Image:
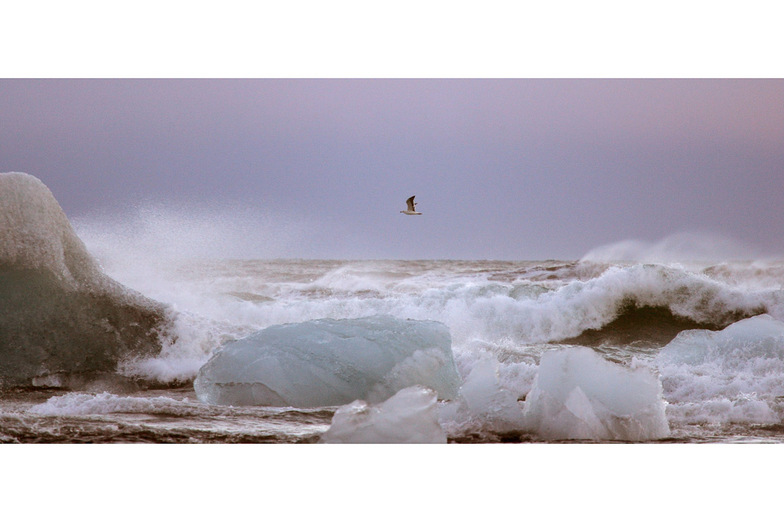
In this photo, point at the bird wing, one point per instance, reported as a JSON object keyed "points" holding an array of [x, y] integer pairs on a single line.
{"points": [[410, 203]]}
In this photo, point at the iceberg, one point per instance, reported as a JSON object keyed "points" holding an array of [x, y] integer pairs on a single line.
{"points": [[732, 375], [408, 417], [738, 345], [330, 362], [483, 404], [579, 395], [59, 313]]}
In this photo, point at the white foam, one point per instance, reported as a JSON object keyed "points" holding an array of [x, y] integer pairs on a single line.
{"points": [[410, 416], [476, 308], [579, 395], [330, 362], [191, 343], [77, 404], [487, 310]]}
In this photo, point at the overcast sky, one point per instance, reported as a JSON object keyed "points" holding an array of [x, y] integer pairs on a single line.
{"points": [[502, 169]]}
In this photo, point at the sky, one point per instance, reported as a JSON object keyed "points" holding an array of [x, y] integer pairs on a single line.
{"points": [[526, 131], [501, 169]]}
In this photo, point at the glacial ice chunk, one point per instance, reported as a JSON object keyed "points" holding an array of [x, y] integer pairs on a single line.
{"points": [[483, 404], [330, 362], [409, 416], [759, 337], [59, 312], [579, 395], [732, 375]]}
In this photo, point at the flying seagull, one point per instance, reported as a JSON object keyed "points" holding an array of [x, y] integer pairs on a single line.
{"points": [[411, 210]]}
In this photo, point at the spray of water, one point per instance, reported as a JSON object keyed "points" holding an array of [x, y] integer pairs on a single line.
{"points": [[683, 247]]}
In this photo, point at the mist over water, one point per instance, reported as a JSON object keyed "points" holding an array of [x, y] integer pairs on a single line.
{"points": [[684, 247], [166, 232]]}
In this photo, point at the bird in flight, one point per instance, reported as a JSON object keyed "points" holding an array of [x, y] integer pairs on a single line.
{"points": [[411, 210]]}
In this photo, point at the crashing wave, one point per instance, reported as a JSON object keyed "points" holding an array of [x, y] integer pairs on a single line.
{"points": [[652, 326], [644, 303], [59, 313], [648, 303]]}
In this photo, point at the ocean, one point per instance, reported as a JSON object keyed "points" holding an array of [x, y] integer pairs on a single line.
{"points": [[633, 315], [102, 341]]}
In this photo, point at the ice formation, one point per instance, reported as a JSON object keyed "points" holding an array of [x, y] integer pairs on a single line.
{"points": [[58, 311], [483, 404], [733, 375], [579, 395], [409, 416], [330, 362]]}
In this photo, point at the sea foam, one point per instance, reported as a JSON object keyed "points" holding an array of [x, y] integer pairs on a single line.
{"points": [[59, 312], [77, 404]]}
